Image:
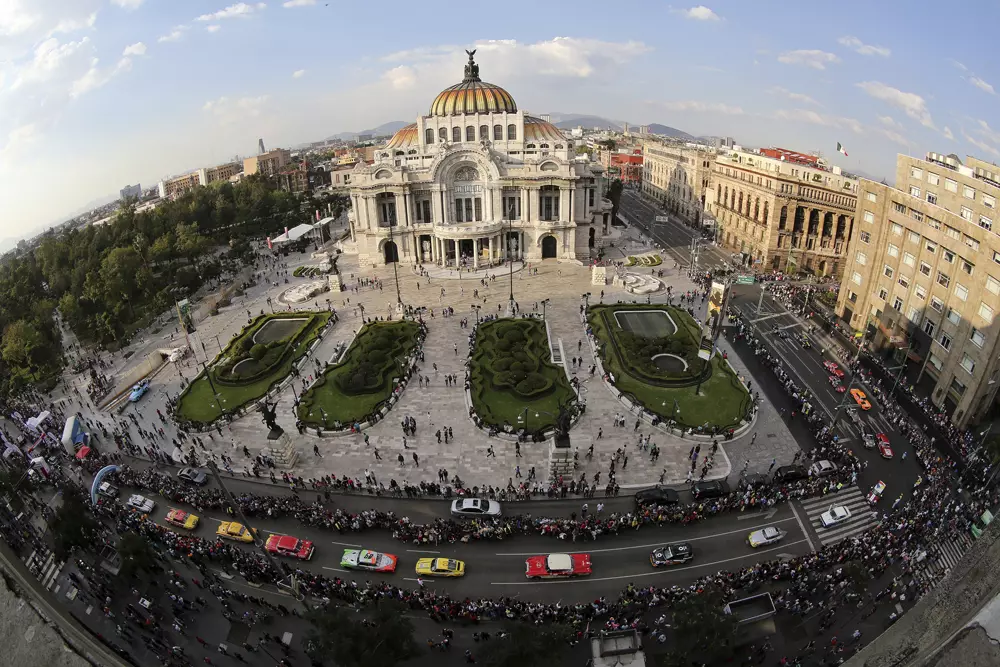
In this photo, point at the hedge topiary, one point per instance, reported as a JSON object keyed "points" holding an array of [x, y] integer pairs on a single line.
{"points": [[258, 351]]}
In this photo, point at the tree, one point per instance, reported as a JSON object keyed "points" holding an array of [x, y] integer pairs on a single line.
{"points": [[701, 628], [73, 526], [527, 646], [341, 635], [136, 556], [14, 486], [615, 195], [22, 347]]}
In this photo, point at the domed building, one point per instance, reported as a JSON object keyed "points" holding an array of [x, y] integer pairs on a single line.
{"points": [[475, 182]]}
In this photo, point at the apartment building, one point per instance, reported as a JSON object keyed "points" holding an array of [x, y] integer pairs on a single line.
{"points": [[172, 188], [222, 172], [268, 164], [133, 191], [782, 215], [677, 175], [922, 279]]}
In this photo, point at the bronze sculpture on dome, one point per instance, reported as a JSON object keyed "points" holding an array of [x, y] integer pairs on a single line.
{"points": [[471, 68]]}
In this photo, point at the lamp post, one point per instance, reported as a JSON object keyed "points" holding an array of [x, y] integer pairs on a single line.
{"points": [[270, 305], [219, 344], [545, 302], [208, 376]]}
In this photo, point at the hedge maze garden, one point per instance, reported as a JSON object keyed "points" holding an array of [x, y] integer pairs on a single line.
{"points": [[358, 386], [511, 371], [259, 357], [661, 370]]}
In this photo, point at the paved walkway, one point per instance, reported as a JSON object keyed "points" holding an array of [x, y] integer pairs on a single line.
{"points": [[438, 407]]}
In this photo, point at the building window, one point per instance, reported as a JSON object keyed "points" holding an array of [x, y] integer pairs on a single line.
{"points": [[429, 136], [887, 271], [934, 361], [967, 266], [909, 259], [866, 237], [456, 135], [942, 279], [856, 277], [459, 211], [549, 203], [914, 191], [977, 337], [479, 208], [897, 304], [897, 229], [443, 134], [968, 364], [883, 294], [953, 316], [861, 258], [512, 207], [989, 201], [931, 198], [470, 133], [944, 340], [925, 268], [590, 196], [933, 178], [950, 185], [484, 132], [871, 196], [992, 285], [899, 208], [512, 132], [869, 216], [985, 223], [929, 327], [920, 292], [966, 213], [498, 133], [916, 173], [914, 316], [904, 282], [948, 256], [986, 313], [937, 304], [892, 250], [931, 247], [957, 386], [968, 192], [426, 207], [952, 233], [912, 237], [932, 222], [916, 215]]}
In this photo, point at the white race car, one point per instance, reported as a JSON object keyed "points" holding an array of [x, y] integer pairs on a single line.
{"points": [[836, 514], [765, 536], [141, 503]]}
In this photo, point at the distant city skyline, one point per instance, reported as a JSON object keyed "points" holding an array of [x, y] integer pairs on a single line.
{"points": [[98, 94]]}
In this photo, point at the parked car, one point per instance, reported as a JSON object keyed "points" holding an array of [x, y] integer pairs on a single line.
{"points": [[822, 468], [440, 567], [366, 559], [475, 507], [108, 490], [875, 494], [790, 473], [182, 519], [657, 495], [754, 479], [193, 476], [855, 417], [710, 489], [286, 545]]}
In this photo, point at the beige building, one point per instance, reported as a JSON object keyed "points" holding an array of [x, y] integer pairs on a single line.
{"points": [[677, 175], [269, 163], [783, 215], [175, 187], [923, 278], [475, 181], [222, 172]]}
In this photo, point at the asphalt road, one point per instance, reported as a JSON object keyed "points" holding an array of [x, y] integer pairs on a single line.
{"points": [[495, 568]]}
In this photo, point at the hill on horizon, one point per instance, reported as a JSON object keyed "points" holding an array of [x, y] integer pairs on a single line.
{"points": [[385, 129]]}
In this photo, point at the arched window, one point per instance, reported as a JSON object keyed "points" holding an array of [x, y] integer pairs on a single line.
{"points": [[756, 209], [543, 145], [529, 145], [740, 203], [512, 132], [765, 212], [718, 194], [443, 133], [429, 136], [484, 132], [456, 135], [725, 199], [470, 133], [498, 133]]}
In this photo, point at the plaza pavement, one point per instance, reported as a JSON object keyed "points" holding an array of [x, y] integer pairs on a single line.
{"points": [[439, 406]]}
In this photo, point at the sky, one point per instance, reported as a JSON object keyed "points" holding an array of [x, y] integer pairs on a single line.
{"points": [[99, 94]]}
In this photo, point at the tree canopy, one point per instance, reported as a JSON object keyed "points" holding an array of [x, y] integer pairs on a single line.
{"points": [[352, 640]]}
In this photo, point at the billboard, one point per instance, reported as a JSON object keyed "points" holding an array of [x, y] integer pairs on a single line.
{"points": [[715, 298]]}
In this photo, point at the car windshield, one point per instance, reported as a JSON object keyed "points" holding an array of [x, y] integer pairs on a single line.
{"points": [[442, 565]]}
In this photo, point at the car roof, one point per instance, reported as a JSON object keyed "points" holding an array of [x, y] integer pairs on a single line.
{"points": [[287, 541], [559, 562]]}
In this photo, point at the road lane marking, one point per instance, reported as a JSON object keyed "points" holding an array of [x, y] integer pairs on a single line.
{"points": [[335, 569], [422, 551], [662, 542], [766, 515], [802, 526], [345, 544], [583, 580]]}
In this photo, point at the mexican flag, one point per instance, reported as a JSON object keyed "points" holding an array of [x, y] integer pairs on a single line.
{"points": [[841, 149]]}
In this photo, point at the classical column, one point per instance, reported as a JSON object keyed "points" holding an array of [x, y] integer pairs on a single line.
{"points": [[475, 253], [520, 245], [491, 249], [572, 204]]}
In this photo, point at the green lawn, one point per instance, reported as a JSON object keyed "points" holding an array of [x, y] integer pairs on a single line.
{"points": [[374, 358], [496, 398], [198, 403], [722, 401]]}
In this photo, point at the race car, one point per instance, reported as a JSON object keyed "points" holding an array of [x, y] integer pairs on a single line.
{"points": [[884, 450], [868, 437], [141, 503], [365, 559], [475, 508], [833, 368], [836, 514], [861, 399], [440, 567], [671, 554], [182, 519], [876, 493], [765, 536], [286, 545], [231, 530], [557, 566], [837, 385], [138, 390]]}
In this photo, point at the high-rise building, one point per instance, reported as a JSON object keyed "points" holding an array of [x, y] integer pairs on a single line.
{"points": [[782, 215], [922, 278], [131, 191], [268, 164], [677, 175]]}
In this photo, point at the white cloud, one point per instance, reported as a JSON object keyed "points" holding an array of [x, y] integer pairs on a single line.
{"points": [[95, 77], [982, 85], [958, 65], [298, 3], [127, 4], [49, 60], [813, 58], [137, 49], [988, 132], [229, 111], [20, 136], [981, 145], [947, 133], [298, 74], [826, 120], [911, 104], [175, 34], [402, 77], [893, 136], [699, 13], [239, 10], [701, 107], [858, 46], [797, 97], [213, 28], [890, 122]]}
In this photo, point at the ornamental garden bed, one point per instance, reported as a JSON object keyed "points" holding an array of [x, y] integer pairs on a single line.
{"points": [[652, 353], [644, 260], [512, 380], [357, 387], [253, 361], [308, 271]]}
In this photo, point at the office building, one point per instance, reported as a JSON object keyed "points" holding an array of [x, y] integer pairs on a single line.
{"points": [[677, 176], [268, 164], [134, 191]]}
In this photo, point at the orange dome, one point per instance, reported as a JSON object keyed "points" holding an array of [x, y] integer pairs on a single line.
{"points": [[472, 96]]}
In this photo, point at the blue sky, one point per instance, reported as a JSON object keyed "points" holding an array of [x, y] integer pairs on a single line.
{"points": [[97, 94]]}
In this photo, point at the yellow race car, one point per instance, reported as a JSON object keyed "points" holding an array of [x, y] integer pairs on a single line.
{"points": [[182, 519], [232, 530], [440, 567]]}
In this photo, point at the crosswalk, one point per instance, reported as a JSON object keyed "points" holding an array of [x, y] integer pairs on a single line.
{"points": [[43, 564], [862, 516], [940, 559]]}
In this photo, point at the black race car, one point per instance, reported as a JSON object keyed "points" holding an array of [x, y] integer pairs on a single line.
{"points": [[671, 554], [657, 495]]}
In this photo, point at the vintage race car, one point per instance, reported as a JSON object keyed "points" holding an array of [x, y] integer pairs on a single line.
{"points": [[861, 399], [884, 450], [672, 554], [765, 536], [138, 390], [286, 545], [141, 503], [833, 368], [440, 567], [182, 519], [366, 559], [231, 530], [557, 566], [837, 385], [834, 515], [876, 493]]}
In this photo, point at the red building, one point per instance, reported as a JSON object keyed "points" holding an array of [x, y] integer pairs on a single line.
{"points": [[627, 167], [791, 156]]}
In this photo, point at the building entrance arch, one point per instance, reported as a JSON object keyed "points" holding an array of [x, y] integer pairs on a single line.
{"points": [[548, 247], [390, 252]]}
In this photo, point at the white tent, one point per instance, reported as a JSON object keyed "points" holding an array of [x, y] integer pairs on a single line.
{"points": [[294, 234], [34, 422]]}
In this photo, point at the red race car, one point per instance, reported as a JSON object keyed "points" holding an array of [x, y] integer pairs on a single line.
{"points": [[286, 545], [884, 449], [557, 566], [837, 385], [833, 368]]}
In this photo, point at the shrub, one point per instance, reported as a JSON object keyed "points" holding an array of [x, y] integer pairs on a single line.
{"points": [[258, 351]]}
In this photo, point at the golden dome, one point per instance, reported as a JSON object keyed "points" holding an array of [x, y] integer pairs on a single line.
{"points": [[404, 137], [536, 129], [472, 96]]}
